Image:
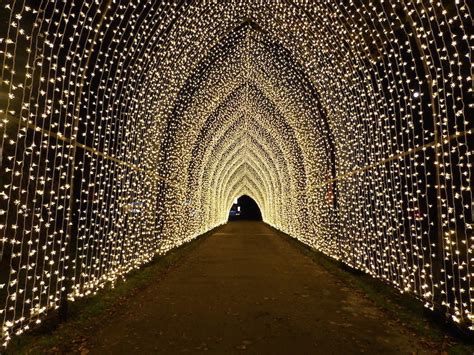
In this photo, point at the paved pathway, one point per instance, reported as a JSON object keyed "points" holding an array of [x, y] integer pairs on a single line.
{"points": [[245, 289]]}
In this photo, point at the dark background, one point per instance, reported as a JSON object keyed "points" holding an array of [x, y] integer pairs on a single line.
{"points": [[249, 210]]}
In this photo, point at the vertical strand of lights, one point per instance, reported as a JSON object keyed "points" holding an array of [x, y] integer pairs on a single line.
{"points": [[130, 128]]}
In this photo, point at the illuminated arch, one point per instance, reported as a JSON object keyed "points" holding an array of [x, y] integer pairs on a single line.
{"points": [[128, 129]]}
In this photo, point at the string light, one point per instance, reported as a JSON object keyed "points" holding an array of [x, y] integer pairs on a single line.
{"points": [[128, 128]]}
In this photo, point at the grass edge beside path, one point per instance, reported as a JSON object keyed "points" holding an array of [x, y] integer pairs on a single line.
{"points": [[87, 314], [404, 309]]}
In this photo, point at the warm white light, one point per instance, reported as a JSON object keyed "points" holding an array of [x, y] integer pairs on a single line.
{"points": [[130, 127]]}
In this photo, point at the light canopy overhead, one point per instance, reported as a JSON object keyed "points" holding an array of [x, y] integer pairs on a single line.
{"points": [[130, 127]]}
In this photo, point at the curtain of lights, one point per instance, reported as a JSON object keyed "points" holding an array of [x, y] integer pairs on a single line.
{"points": [[129, 127]]}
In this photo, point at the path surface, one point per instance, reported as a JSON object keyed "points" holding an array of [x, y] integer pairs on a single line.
{"points": [[245, 289]]}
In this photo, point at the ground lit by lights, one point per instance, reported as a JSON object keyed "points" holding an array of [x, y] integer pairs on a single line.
{"points": [[129, 128]]}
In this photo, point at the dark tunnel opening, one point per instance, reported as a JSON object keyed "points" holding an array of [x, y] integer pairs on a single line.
{"points": [[245, 208]]}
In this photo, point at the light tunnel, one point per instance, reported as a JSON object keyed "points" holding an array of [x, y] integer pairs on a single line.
{"points": [[129, 127]]}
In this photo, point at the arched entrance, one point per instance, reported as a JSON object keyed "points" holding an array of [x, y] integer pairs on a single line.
{"points": [[245, 208]]}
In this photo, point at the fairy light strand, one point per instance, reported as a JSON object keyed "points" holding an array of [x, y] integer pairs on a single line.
{"points": [[128, 128]]}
